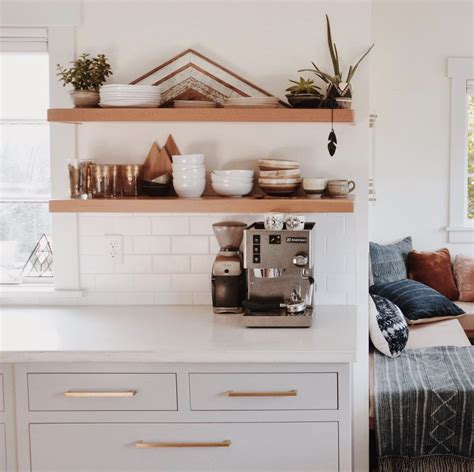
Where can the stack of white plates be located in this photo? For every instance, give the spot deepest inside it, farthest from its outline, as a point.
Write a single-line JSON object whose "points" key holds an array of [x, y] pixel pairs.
{"points": [[279, 177], [189, 175], [194, 104], [124, 95], [252, 102], [232, 183]]}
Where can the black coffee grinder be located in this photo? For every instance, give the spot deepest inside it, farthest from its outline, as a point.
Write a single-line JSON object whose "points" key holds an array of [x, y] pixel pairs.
{"points": [[228, 275]]}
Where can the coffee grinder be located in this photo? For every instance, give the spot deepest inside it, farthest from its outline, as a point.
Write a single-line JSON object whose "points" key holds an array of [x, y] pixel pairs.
{"points": [[228, 279]]}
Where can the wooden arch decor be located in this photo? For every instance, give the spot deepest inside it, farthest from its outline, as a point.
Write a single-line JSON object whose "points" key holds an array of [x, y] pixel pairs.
{"points": [[193, 76]]}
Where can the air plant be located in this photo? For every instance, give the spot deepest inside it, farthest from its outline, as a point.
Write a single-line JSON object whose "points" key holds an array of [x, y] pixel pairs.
{"points": [[337, 78], [304, 87]]}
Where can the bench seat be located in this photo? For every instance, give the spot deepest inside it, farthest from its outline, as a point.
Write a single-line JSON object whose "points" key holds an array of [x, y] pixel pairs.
{"points": [[440, 333]]}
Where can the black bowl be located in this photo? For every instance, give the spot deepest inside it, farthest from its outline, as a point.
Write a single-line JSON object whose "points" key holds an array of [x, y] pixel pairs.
{"points": [[157, 190]]}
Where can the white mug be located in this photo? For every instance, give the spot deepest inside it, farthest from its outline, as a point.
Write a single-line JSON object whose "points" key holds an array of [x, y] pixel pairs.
{"points": [[295, 222], [274, 221]]}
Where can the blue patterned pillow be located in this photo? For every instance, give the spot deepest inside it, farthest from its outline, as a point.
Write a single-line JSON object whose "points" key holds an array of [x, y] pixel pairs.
{"points": [[418, 302], [387, 327], [389, 262]]}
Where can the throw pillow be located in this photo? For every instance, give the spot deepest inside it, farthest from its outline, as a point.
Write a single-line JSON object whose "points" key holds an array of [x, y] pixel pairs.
{"points": [[389, 262], [388, 328], [418, 302], [464, 273], [433, 269]]}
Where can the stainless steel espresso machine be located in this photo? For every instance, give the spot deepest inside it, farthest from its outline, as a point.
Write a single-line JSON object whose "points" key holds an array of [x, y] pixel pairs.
{"points": [[280, 280], [228, 276]]}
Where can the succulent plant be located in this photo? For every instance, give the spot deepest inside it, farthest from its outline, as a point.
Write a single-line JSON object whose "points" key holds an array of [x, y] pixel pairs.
{"points": [[87, 73], [304, 87], [337, 78]]}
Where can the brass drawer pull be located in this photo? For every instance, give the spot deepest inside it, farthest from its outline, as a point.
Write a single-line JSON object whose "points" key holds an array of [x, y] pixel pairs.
{"points": [[115, 394], [156, 445], [288, 393]]}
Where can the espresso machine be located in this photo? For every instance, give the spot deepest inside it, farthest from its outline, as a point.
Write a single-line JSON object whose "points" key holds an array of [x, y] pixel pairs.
{"points": [[228, 277], [280, 280]]}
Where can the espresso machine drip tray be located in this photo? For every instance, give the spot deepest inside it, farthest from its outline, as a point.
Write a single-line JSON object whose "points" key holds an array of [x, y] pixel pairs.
{"points": [[276, 319]]}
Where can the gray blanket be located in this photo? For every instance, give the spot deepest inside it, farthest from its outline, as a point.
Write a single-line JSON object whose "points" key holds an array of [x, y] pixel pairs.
{"points": [[424, 403]]}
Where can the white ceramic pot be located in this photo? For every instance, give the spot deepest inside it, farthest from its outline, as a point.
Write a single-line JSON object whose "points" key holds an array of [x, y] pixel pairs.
{"points": [[85, 98]]}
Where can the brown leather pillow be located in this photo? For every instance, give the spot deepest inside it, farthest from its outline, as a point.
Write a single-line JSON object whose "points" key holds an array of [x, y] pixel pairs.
{"points": [[464, 273], [433, 269]]}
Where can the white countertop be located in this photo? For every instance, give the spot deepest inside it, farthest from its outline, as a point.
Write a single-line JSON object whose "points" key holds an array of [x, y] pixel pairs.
{"points": [[168, 334]]}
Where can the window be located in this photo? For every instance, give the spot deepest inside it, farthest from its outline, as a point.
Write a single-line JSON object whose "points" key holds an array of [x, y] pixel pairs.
{"points": [[24, 147], [470, 153], [461, 204]]}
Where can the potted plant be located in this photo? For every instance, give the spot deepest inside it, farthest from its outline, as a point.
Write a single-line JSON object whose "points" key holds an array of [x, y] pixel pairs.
{"points": [[338, 89], [86, 76], [304, 94]]}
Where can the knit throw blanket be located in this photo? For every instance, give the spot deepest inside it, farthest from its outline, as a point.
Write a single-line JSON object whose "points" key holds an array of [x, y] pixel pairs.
{"points": [[424, 402]]}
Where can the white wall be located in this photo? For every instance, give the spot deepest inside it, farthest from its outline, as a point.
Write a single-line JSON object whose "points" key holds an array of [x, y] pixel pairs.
{"points": [[410, 93]]}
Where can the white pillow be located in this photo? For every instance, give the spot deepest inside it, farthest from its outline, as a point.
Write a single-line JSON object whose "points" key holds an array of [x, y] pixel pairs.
{"points": [[388, 328]]}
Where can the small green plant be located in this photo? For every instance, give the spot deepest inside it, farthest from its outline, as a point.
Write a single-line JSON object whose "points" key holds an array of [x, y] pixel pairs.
{"points": [[87, 73], [337, 78], [304, 87]]}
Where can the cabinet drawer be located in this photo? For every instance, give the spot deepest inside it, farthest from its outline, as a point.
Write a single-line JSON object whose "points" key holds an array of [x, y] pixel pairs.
{"points": [[3, 449], [210, 446], [95, 391], [2, 403], [282, 391]]}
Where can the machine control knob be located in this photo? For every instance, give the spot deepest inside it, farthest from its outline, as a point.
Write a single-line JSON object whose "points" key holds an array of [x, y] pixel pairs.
{"points": [[300, 260]]}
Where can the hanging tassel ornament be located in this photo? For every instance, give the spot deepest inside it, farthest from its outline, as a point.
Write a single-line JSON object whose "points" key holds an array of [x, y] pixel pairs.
{"points": [[332, 140]]}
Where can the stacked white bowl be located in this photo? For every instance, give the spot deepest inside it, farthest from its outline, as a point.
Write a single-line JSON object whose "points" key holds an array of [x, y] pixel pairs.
{"points": [[232, 183], [189, 175]]}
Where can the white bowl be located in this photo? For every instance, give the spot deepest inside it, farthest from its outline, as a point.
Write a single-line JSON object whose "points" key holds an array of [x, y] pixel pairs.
{"points": [[237, 173], [189, 189], [224, 180], [232, 189], [188, 159], [190, 174], [315, 183], [176, 166]]}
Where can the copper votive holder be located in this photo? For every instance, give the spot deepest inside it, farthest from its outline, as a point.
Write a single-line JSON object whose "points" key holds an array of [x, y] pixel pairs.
{"points": [[130, 179]]}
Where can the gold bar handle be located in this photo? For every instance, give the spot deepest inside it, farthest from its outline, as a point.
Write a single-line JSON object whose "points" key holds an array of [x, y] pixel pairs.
{"points": [[288, 393], [91, 394], [156, 445]]}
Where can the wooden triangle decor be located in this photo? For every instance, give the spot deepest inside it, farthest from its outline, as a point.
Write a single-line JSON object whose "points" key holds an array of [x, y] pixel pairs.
{"points": [[193, 76]]}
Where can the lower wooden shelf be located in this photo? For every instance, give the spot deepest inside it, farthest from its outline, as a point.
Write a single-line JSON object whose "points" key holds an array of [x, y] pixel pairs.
{"points": [[211, 204]]}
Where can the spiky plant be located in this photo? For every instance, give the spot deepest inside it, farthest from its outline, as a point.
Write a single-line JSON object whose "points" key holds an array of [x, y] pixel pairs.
{"points": [[87, 73], [337, 78], [304, 87]]}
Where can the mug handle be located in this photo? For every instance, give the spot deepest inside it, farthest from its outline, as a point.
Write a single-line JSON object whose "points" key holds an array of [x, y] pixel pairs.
{"points": [[352, 186]]}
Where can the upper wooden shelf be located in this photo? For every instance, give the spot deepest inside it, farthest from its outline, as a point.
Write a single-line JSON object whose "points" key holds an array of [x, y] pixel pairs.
{"points": [[211, 204], [285, 115]]}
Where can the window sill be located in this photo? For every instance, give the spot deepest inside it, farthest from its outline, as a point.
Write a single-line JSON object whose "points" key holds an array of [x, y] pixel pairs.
{"points": [[461, 234], [33, 290]]}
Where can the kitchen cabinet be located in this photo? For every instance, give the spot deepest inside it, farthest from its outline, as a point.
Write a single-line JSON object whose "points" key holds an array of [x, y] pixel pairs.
{"points": [[187, 391], [184, 447]]}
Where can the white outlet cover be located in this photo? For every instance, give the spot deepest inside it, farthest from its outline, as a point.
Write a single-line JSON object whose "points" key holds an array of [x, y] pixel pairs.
{"points": [[114, 247]]}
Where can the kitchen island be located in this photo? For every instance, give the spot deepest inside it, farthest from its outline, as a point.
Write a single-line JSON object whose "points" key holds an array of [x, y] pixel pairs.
{"points": [[173, 388]]}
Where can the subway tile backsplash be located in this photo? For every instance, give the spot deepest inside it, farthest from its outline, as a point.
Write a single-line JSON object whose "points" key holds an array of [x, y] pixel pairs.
{"points": [[167, 258]]}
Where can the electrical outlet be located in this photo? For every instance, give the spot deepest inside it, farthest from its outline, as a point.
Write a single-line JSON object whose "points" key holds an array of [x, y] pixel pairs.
{"points": [[115, 247]]}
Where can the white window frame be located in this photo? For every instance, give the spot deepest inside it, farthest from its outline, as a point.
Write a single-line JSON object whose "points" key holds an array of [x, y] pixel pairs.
{"points": [[460, 71], [61, 19]]}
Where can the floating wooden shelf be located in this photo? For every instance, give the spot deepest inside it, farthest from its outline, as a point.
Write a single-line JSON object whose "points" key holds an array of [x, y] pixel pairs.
{"points": [[285, 115], [209, 204]]}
